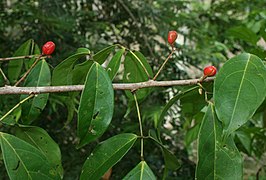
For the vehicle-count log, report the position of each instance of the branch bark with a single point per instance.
(116, 86)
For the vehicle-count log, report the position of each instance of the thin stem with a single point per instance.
(16, 106)
(18, 57)
(25, 75)
(4, 76)
(140, 128)
(158, 72)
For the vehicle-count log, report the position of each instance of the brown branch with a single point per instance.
(116, 86)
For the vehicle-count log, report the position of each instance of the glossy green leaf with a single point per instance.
(135, 65)
(63, 73)
(141, 172)
(244, 33)
(80, 71)
(106, 155)
(171, 162)
(239, 89)
(192, 134)
(40, 139)
(169, 104)
(245, 139)
(193, 102)
(12, 118)
(102, 55)
(15, 66)
(34, 50)
(39, 76)
(96, 105)
(24, 161)
(114, 64)
(217, 159)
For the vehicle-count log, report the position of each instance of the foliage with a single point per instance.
(132, 34)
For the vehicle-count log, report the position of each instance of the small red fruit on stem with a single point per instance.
(209, 71)
(48, 48)
(172, 36)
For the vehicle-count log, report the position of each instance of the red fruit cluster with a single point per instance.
(209, 71)
(172, 36)
(48, 48)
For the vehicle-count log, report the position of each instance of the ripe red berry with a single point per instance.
(48, 48)
(209, 71)
(172, 35)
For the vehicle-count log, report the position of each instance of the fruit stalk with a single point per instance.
(158, 72)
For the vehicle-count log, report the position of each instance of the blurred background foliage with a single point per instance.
(210, 32)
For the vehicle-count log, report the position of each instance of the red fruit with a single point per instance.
(172, 35)
(209, 71)
(48, 48)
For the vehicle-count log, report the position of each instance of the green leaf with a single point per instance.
(15, 66)
(96, 105)
(244, 33)
(171, 162)
(239, 89)
(39, 76)
(40, 139)
(80, 71)
(34, 50)
(245, 139)
(192, 134)
(192, 103)
(63, 73)
(114, 64)
(13, 118)
(24, 161)
(106, 155)
(102, 55)
(169, 104)
(216, 159)
(141, 172)
(135, 65)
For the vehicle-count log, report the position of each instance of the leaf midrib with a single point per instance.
(16, 155)
(239, 91)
